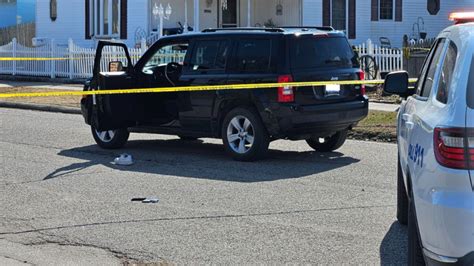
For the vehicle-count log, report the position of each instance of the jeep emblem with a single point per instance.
(334, 78)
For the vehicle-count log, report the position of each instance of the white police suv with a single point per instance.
(436, 150)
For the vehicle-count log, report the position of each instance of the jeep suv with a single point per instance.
(248, 119)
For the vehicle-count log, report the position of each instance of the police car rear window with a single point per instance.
(470, 86)
(317, 52)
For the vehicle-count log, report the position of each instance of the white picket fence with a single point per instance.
(387, 59)
(71, 61)
(77, 62)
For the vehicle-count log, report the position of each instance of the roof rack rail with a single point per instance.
(244, 29)
(323, 28)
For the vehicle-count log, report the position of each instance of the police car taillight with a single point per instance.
(285, 93)
(461, 17)
(454, 147)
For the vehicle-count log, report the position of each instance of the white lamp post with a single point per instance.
(162, 13)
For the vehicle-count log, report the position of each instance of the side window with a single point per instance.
(209, 55)
(167, 54)
(429, 70)
(254, 55)
(447, 73)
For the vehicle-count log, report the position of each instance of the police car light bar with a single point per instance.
(461, 17)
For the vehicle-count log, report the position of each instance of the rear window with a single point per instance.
(470, 86)
(316, 52)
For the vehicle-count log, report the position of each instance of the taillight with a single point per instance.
(285, 93)
(362, 86)
(454, 147)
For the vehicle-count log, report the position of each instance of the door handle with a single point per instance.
(406, 117)
(408, 121)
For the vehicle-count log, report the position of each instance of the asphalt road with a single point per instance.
(62, 201)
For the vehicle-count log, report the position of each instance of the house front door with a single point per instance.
(229, 14)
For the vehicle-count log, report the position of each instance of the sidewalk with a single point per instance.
(39, 85)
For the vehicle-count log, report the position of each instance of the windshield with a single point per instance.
(315, 52)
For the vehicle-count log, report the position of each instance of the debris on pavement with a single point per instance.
(124, 159)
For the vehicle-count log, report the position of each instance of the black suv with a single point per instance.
(246, 120)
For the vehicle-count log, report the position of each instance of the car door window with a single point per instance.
(447, 73)
(209, 55)
(173, 53)
(254, 55)
(429, 70)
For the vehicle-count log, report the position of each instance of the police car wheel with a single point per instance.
(328, 144)
(415, 253)
(244, 135)
(402, 197)
(110, 139)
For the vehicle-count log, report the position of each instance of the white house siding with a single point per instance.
(413, 9)
(69, 23)
(137, 19)
(265, 10)
(312, 13)
(394, 30)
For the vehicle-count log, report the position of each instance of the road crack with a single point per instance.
(226, 216)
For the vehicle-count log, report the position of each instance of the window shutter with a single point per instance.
(352, 19)
(398, 10)
(375, 10)
(87, 19)
(123, 19)
(326, 13)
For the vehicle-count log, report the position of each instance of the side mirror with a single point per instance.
(397, 83)
(115, 66)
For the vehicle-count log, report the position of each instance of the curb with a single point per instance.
(40, 107)
(24, 78)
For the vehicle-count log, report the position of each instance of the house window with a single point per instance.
(105, 18)
(338, 17)
(386, 9)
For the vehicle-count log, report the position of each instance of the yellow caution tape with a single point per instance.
(193, 88)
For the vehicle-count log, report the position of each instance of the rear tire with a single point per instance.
(415, 253)
(111, 139)
(244, 135)
(328, 144)
(402, 197)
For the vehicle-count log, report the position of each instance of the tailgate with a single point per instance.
(323, 58)
(328, 93)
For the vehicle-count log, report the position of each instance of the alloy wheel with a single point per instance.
(240, 134)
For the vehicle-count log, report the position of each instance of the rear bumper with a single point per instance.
(433, 259)
(303, 121)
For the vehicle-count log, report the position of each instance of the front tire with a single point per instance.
(328, 144)
(244, 135)
(110, 139)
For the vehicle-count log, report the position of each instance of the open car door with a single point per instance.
(113, 70)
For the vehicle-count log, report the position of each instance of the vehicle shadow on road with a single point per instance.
(394, 246)
(196, 159)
